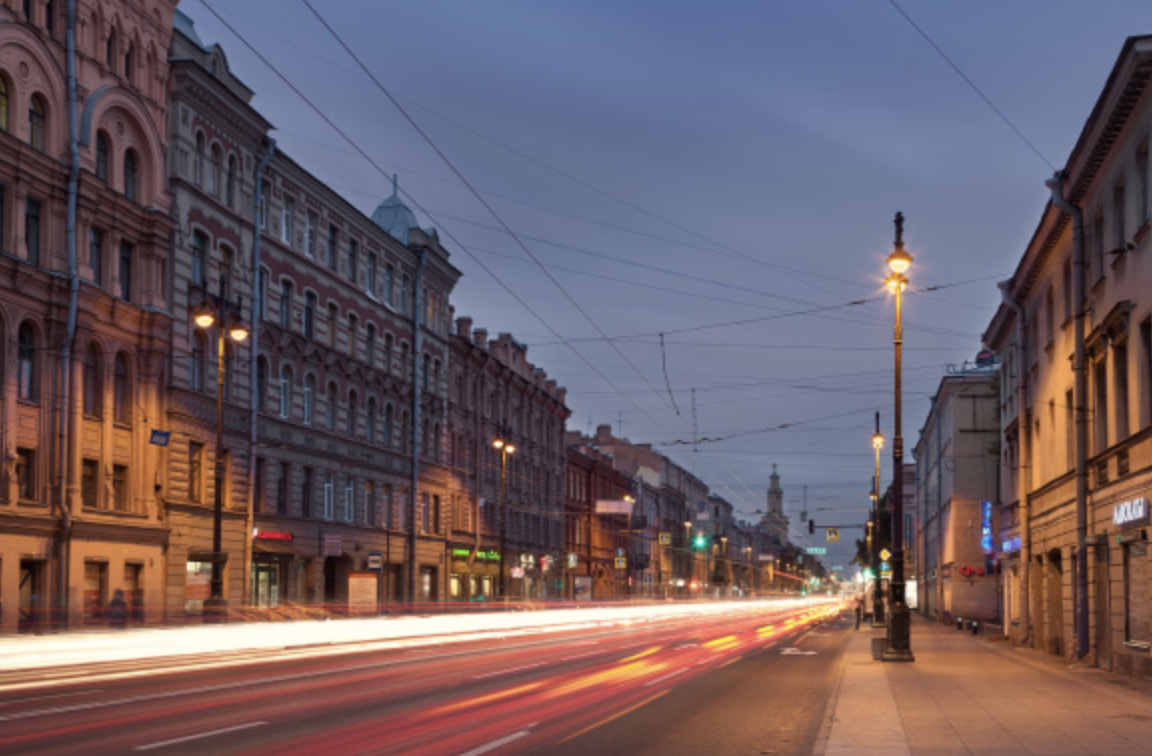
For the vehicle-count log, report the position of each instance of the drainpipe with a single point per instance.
(1024, 458)
(253, 371)
(480, 446)
(63, 411)
(1080, 385)
(416, 303)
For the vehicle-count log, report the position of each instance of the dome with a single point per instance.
(394, 217)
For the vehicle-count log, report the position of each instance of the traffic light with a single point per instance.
(701, 541)
(811, 527)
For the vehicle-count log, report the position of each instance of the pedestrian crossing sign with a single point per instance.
(621, 563)
(833, 535)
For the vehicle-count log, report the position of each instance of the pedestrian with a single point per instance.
(117, 611)
(859, 610)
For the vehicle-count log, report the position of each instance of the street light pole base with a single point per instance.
(215, 611)
(898, 646)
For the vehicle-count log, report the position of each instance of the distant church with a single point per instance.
(775, 522)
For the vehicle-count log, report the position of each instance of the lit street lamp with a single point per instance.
(874, 534)
(506, 447)
(898, 647)
(216, 311)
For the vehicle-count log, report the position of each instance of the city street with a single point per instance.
(742, 680)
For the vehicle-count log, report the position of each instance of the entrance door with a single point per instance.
(1055, 598)
(266, 584)
(31, 595)
(1103, 607)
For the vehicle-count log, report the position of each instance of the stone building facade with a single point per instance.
(84, 230)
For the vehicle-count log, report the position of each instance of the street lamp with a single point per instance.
(898, 647)
(505, 446)
(216, 311)
(874, 533)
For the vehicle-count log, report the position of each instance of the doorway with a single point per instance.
(31, 595)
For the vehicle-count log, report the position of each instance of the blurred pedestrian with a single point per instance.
(859, 610)
(117, 611)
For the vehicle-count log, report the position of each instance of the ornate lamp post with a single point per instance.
(874, 533)
(216, 311)
(506, 447)
(898, 647)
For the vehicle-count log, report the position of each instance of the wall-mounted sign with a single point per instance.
(375, 561)
(665, 539)
(986, 527)
(621, 563)
(1131, 514)
(1011, 545)
(573, 560)
(333, 545)
(270, 535)
(159, 438)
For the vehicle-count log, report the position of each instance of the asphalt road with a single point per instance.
(743, 682)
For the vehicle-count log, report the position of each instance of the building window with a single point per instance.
(329, 496)
(199, 261)
(389, 276)
(262, 203)
(353, 413)
(101, 156)
(310, 235)
(370, 345)
(349, 501)
(261, 382)
(26, 364)
(370, 422)
(309, 315)
(36, 119)
(404, 295)
(110, 49)
(369, 502)
(286, 221)
(214, 160)
(130, 175)
(332, 236)
(126, 271)
(353, 322)
(25, 474)
(96, 255)
(258, 487)
(128, 64)
(306, 494)
(353, 252)
(370, 278)
(285, 392)
(92, 382)
(389, 421)
(230, 186)
(32, 229)
(228, 376)
(195, 471)
(425, 514)
(389, 345)
(309, 393)
(1120, 233)
(1137, 611)
(90, 484)
(386, 504)
(198, 161)
(121, 391)
(3, 104)
(285, 305)
(333, 317)
(120, 488)
(261, 303)
(1100, 410)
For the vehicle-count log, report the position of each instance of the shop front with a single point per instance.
(272, 556)
(472, 577)
(1124, 634)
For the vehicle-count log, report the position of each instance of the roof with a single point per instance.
(394, 217)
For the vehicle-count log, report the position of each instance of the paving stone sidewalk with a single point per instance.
(969, 695)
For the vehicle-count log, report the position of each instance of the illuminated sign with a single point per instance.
(986, 527)
(817, 550)
(968, 571)
(1011, 545)
(1131, 514)
(271, 535)
(484, 555)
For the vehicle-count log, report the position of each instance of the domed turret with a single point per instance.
(394, 217)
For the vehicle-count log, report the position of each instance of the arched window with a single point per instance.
(214, 160)
(196, 369)
(3, 104)
(92, 398)
(230, 186)
(309, 398)
(353, 413)
(110, 49)
(285, 391)
(389, 422)
(36, 120)
(26, 363)
(130, 174)
(404, 433)
(261, 382)
(101, 156)
(121, 391)
(198, 162)
(370, 422)
(333, 403)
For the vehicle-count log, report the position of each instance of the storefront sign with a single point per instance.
(969, 571)
(333, 545)
(1130, 514)
(1011, 545)
(270, 535)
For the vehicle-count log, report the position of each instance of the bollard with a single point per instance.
(959, 623)
(975, 627)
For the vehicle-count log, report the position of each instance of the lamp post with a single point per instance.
(898, 647)
(216, 311)
(689, 557)
(874, 535)
(505, 446)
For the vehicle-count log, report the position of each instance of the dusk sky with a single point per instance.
(722, 174)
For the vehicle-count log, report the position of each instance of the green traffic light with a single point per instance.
(701, 542)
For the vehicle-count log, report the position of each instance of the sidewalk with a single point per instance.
(969, 695)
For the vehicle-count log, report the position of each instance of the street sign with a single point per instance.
(375, 561)
(665, 539)
(621, 563)
(885, 570)
(833, 535)
(817, 550)
(619, 552)
(885, 554)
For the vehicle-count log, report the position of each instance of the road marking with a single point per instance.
(665, 677)
(580, 656)
(46, 698)
(617, 715)
(496, 743)
(198, 736)
(796, 652)
(506, 671)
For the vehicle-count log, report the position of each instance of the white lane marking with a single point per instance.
(198, 736)
(796, 652)
(506, 671)
(580, 656)
(46, 698)
(665, 677)
(496, 743)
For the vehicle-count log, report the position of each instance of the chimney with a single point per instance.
(464, 327)
(480, 337)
